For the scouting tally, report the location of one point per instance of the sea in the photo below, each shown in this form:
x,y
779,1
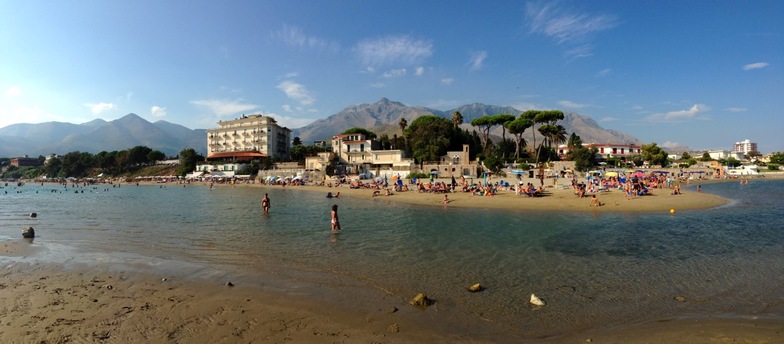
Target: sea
x,y
592,269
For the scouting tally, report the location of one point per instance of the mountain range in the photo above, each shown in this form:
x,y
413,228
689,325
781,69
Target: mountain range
x,y
99,135
381,117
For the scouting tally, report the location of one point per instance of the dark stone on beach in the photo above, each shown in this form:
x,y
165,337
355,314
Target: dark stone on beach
x,y
28,232
229,284
421,300
392,309
33,215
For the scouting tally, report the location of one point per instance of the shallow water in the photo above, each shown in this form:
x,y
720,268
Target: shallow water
x,y
592,269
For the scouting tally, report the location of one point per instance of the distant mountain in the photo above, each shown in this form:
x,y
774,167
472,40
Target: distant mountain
x,y
99,135
383,117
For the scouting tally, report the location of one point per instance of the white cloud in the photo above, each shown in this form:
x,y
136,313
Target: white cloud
x,y
572,105
603,73
579,52
394,73
477,60
297,92
13,91
290,75
291,122
224,108
758,65
294,36
736,109
286,107
565,26
526,106
393,50
690,113
447,81
671,145
158,111
419,71
100,107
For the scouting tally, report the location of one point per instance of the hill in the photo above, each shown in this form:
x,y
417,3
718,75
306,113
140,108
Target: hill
x,y
99,135
383,116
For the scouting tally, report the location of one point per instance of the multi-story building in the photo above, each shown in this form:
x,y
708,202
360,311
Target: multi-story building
x,y
607,149
247,138
745,147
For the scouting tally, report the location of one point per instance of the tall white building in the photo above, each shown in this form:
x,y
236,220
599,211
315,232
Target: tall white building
x,y
247,138
745,147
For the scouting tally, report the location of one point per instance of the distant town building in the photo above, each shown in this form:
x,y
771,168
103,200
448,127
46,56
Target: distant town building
x,y
248,138
745,147
720,154
606,150
25,161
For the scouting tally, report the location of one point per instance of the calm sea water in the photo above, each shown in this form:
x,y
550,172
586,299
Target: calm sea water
x,y
592,269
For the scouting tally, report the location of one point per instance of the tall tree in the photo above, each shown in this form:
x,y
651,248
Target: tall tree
x,y
188,161
403,124
654,154
457,119
533,116
484,123
517,128
502,119
296,142
429,137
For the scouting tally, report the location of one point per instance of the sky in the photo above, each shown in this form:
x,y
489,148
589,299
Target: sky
x,y
701,74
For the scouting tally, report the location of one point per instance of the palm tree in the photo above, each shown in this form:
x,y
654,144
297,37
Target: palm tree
x,y
403,124
457,119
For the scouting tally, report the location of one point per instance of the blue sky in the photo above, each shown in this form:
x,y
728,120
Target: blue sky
x,y
703,74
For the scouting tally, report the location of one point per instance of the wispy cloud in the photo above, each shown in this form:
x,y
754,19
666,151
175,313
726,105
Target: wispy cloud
x,y
13,91
297,92
477,60
690,113
395,73
566,26
572,105
736,109
752,66
158,111
295,37
447,81
392,50
419,71
603,73
378,85
224,108
98,108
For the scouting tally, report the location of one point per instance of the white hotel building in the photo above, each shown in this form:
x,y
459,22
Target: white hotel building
x,y
607,150
248,138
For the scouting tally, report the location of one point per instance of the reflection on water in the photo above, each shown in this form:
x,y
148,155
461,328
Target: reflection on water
x,y
591,269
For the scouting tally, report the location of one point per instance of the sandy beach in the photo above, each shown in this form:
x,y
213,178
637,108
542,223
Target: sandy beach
x,y
103,304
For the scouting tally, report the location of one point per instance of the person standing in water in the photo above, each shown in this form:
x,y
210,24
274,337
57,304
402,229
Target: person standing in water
x,y
265,204
335,220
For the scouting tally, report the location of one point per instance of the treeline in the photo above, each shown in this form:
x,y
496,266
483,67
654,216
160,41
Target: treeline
x,y
82,164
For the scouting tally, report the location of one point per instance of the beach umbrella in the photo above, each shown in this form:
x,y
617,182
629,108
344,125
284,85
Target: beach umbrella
x,y
611,174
